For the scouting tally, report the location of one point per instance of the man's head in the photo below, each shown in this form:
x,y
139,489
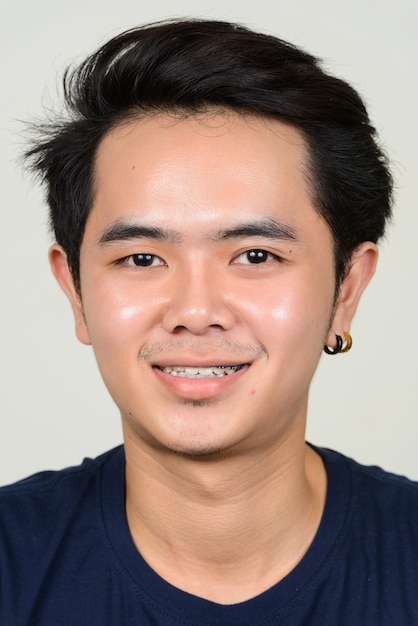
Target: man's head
x,y
208,281
191,67
215,198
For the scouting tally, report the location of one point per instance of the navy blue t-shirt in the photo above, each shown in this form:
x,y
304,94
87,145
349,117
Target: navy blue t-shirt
x,y
67,557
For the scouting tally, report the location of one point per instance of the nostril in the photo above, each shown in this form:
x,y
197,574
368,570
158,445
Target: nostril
x,y
178,329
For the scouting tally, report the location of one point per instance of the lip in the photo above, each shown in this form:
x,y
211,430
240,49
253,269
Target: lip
x,y
197,388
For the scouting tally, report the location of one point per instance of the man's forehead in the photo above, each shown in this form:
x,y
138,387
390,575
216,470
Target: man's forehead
x,y
238,144
241,174
154,129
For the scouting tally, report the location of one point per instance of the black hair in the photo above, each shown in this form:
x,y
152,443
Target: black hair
x,y
189,66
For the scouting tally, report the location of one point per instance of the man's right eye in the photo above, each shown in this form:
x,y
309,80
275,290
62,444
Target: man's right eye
x,y
142,260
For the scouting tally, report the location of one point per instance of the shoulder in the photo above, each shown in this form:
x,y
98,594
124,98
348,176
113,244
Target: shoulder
x,y
380,501
369,475
376,551
44,512
48,479
51,540
50,493
374,482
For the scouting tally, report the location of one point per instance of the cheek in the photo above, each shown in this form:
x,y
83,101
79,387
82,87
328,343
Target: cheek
x,y
282,310
114,320
296,312
281,304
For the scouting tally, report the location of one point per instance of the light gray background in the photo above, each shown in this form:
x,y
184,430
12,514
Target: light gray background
x,y
54,408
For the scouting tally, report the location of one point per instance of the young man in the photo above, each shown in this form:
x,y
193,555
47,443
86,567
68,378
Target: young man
x,y
216,200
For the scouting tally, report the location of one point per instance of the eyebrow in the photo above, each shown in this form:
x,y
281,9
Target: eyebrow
x,y
266,228
123,231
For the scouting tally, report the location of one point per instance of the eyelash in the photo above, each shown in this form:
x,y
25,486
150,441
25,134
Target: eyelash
x,y
255,256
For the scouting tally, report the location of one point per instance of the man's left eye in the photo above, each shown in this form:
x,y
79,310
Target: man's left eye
x,y
254,257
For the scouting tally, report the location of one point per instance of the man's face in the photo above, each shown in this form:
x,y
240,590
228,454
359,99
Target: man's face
x,y
207,281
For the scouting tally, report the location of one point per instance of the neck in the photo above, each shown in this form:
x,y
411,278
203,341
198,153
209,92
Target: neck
x,y
227,527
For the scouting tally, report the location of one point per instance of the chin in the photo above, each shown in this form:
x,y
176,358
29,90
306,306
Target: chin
x,y
183,439
196,451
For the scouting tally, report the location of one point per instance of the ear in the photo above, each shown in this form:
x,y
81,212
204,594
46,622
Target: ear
x,y
59,265
361,269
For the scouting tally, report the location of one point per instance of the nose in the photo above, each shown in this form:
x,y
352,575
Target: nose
x,y
199,301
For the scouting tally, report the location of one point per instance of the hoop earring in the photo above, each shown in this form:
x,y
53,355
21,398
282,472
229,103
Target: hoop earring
x,y
348,342
337,349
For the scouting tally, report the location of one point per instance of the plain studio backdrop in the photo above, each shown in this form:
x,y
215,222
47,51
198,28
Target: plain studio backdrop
x,y
54,407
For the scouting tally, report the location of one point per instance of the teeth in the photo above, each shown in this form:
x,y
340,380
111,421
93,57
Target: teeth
x,y
202,372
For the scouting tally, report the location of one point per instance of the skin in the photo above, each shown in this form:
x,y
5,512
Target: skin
x,y
223,459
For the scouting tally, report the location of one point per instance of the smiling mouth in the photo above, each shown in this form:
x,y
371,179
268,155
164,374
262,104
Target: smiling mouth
x,y
202,372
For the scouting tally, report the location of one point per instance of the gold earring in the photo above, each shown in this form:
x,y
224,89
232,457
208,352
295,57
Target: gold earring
x,y
348,342
343,345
